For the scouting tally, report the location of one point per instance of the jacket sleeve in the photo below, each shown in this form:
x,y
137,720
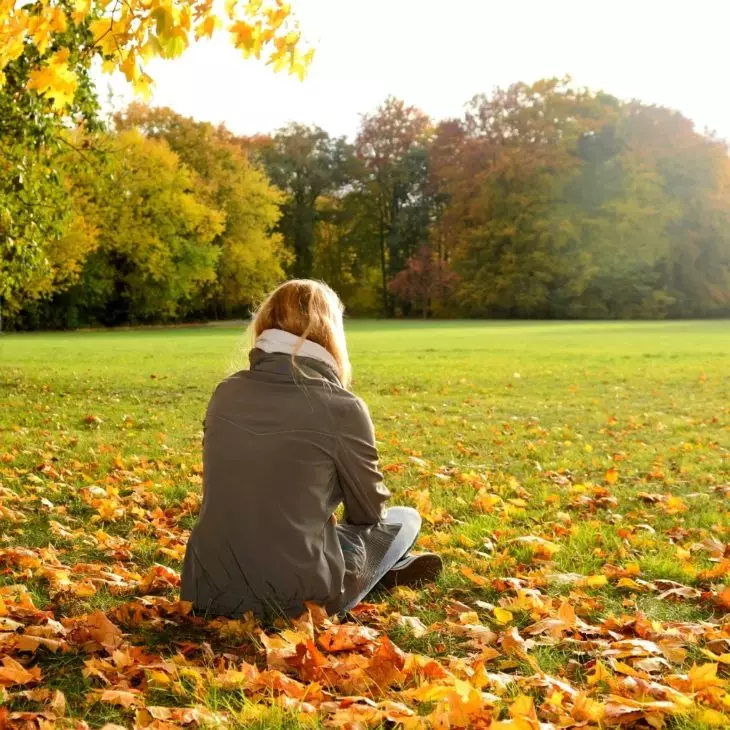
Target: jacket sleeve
x,y
357,469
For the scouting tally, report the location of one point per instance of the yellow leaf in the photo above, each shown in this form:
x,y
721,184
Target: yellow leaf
x,y
55,80
503,616
704,675
150,49
594,581
84,589
600,673
566,612
713,718
673,505
207,27
722,658
611,476
485,502
632,585
523,707
81,9
57,20
129,67
101,31
683,553
473,577
523,714
584,708
158,678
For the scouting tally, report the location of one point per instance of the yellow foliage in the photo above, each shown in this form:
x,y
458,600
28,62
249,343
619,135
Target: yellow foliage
x,y
503,616
130,34
55,80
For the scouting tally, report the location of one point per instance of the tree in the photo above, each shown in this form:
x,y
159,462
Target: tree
x,y
694,170
155,235
519,251
46,54
426,278
306,163
557,202
392,143
343,253
252,257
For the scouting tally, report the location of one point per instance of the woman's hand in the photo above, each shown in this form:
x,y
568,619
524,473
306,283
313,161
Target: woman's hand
x,y
333,519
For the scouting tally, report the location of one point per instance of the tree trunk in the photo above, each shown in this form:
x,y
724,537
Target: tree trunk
x,y
383,270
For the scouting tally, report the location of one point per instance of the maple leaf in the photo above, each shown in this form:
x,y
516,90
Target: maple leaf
x,y
611,475
542,547
13,673
474,577
386,665
94,632
414,625
704,675
122,698
502,616
346,637
307,660
513,643
159,578
523,716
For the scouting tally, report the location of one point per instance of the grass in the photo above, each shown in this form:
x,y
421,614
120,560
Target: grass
x,y
538,414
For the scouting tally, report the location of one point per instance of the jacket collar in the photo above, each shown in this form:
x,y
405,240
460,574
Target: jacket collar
x,y
280,363
276,340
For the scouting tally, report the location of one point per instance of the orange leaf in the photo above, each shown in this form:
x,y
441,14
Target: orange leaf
x,y
473,577
12,673
346,637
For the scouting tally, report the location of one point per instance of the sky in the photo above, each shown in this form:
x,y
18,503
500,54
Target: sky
x,y
437,54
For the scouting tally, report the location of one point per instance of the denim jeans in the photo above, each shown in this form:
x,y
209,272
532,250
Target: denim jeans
x,y
410,525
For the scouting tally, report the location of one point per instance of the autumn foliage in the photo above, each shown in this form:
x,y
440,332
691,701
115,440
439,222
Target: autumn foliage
x,y
543,201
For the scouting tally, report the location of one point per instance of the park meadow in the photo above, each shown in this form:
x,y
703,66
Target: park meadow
x,y
574,477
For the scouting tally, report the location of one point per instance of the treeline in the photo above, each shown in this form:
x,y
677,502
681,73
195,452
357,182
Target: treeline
x,y
542,201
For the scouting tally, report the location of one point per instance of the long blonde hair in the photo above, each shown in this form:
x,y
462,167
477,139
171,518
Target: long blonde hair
x,y
312,311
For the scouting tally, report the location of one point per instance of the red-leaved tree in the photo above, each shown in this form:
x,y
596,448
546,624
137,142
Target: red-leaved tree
x,y
425,279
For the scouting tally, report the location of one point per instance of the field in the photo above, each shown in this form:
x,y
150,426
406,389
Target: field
x,y
574,476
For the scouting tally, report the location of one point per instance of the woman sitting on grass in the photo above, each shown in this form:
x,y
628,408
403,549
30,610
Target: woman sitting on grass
x,y
285,444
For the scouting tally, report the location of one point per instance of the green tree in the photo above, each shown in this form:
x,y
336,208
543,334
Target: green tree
x,y
520,252
307,164
343,252
47,51
155,234
695,176
252,257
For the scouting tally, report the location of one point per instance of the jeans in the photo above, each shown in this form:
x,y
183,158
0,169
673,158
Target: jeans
x,y
410,525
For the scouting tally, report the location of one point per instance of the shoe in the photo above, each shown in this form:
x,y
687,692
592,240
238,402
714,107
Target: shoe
x,y
414,569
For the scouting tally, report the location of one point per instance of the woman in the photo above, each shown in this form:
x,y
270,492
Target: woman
x,y
285,444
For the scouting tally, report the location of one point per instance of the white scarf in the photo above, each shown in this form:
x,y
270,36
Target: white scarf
x,y
289,344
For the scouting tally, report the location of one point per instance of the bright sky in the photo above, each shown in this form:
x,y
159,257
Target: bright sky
x,y
437,54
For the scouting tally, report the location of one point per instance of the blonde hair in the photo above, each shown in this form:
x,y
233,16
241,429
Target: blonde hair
x,y
312,311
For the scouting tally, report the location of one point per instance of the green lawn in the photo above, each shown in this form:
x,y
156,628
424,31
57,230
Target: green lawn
x,y
537,452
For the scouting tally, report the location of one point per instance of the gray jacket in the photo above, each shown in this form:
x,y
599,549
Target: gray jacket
x,y
284,445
